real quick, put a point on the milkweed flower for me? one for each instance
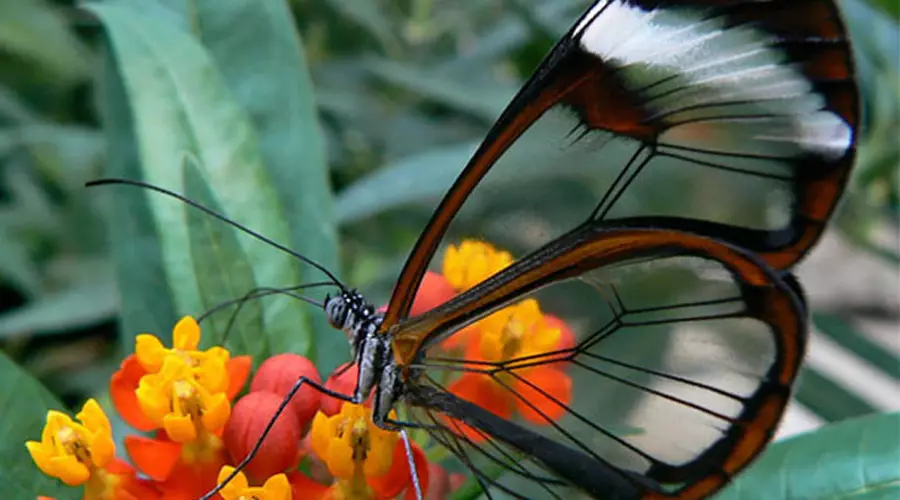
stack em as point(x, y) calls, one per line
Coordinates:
point(151, 353)
point(149, 358)
point(366, 461)
point(276, 487)
point(536, 387)
point(184, 394)
point(183, 403)
point(471, 262)
point(84, 454)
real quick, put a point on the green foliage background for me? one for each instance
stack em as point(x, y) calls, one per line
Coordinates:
point(337, 146)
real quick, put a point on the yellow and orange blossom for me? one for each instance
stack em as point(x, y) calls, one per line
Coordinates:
point(183, 402)
point(472, 262)
point(151, 353)
point(71, 451)
point(276, 487)
point(354, 449)
point(350, 443)
point(517, 331)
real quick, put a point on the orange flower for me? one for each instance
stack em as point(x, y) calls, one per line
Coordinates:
point(367, 462)
point(185, 341)
point(181, 403)
point(185, 394)
point(434, 291)
point(83, 454)
point(71, 451)
point(472, 262)
point(276, 487)
point(149, 359)
point(537, 386)
point(180, 470)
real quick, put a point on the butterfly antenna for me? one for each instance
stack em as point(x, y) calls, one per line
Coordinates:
point(213, 213)
point(413, 471)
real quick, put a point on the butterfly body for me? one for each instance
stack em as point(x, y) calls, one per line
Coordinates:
point(707, 143)
point(371, 352)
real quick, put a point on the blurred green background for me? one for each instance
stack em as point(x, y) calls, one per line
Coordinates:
point(404, 89)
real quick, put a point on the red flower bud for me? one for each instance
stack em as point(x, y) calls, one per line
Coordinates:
point(280, 450)
point(278, 375)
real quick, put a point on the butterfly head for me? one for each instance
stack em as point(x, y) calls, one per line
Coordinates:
point(351, 312)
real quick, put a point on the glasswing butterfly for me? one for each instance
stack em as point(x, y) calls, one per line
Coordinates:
point(689, 328)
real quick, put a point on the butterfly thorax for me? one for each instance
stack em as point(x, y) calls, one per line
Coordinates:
point(371, 352)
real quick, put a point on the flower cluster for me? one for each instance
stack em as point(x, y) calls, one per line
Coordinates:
point(185, 397)
point(530, 345)
point(319, 447)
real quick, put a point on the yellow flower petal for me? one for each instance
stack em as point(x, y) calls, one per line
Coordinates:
point(41, 456)
point(186, 335)
point(320, 435)
point(153, 401)
point(277, 487)
point(339, 459)
point(218, 353)
point(69, 470)
point(379, 459)
point(180, 428)
point(93, 417)
point(55, 421)
point(472, 262)
point(103, 449)
point(216, 410)
point(149, 352)
point(235, 487)
point(212, 374)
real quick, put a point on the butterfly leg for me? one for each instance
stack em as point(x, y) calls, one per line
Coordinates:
point(284, 403)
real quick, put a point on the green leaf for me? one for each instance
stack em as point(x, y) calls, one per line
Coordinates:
point(16, 265)
point(841, 331)
point(828, 399)
point(479, 99)
point(852, 459)
point(258, 50)
point(35, 32)
point(86, 303)
point(181, 107)
point(416, 179)
point(25, 403)
point(145, 302)
point(214, 246)
point(369, 15)
point(14, 107)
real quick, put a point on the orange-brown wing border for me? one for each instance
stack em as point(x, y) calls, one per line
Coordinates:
point(780, 304)
point(811, 31)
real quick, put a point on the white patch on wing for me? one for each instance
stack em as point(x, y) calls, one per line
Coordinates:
point(698, 75)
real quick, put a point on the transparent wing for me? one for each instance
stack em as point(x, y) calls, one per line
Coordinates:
point(732, 119)
point(678, 366)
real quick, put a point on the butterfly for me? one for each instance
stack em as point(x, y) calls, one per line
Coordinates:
point(697, 149)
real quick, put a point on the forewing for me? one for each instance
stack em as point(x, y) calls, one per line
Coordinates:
point(732, 119)
point(684, 355)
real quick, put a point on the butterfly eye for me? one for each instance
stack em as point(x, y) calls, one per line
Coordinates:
point(336, 310)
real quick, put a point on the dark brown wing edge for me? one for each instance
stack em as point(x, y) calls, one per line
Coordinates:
point(810, 31)
point(771, 296)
